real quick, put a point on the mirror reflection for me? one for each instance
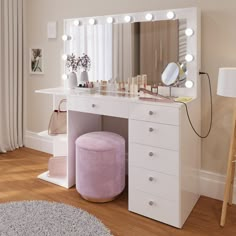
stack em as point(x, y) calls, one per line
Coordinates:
point(122, 51)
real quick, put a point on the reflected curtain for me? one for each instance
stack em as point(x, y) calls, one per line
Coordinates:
point(11, 74)
point(96, 42)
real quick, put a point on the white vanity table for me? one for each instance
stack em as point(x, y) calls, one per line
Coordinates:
point(163, 151)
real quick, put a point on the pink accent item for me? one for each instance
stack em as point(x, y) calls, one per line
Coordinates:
point(100, 165)
point(57, 166)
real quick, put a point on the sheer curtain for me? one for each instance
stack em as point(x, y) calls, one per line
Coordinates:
point(96, 42)
point(11, 74)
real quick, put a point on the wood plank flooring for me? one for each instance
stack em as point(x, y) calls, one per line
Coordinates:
point(18, 172)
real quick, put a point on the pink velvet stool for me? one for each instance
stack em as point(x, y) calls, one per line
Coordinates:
point(100, 166)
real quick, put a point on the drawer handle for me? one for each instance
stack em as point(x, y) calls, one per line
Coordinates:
point(150, 154)
point(151, 203)
point(151, 129)
point(150, 113)
point(93, 105)
point(150, 178)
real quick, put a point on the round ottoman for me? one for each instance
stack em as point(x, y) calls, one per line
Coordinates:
point(100, 166)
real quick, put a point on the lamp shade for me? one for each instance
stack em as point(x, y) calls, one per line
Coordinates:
point(227, 82)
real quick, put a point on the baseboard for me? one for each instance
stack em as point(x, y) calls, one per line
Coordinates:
point(212, 185)
point(40, 143)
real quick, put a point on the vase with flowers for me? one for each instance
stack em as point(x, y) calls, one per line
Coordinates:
point(84, 64)
point(72, 63)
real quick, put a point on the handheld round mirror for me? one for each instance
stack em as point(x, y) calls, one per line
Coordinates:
point(170, 74)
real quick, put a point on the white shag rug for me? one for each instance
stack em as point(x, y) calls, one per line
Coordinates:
point(42, 218)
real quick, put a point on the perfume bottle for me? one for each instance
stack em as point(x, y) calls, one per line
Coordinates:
point(154, 89)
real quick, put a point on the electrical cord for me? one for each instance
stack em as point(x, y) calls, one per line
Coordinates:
point(209, 130)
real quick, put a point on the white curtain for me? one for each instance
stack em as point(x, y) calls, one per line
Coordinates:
point(122, 56)
point(11, 74)
point(96, 42)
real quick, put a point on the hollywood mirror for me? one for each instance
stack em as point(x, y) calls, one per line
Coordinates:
point(127, 45)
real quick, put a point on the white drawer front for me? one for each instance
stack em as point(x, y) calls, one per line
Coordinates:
point(154, 207)
point(153, 134)
point(155, 183)
point(157, 159)
point(98, 106)
point(160, 114)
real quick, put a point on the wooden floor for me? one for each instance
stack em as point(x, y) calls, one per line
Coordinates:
point(18, 172)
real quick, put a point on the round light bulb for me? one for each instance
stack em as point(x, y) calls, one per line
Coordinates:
point(64, 57)
point(170, 15)
point(189, 32)
point(64, 77)
point(110, 20)
point(66, 37)
point(92, 21)
point(189, 57)
point(76, 22)
point(189, 84)
point(127, 19)
point(148, 16)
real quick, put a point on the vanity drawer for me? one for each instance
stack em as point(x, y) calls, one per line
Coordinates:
point(154, 134)
point(153, 207)
point(155, 183)
point(157, 159)
point(98, 106)
point(159, 114)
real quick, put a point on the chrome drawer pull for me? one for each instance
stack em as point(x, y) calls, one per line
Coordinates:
point(150, 154)
point(151, 129)
point(150, 178)
point(150, 113)
point(151, 203)
point(93, 105)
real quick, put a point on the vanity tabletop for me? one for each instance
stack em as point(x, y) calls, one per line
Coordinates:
point(113, 95)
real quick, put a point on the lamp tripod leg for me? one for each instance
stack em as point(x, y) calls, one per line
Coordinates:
point(228, 194)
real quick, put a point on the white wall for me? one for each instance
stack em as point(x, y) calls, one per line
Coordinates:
point(218, 49)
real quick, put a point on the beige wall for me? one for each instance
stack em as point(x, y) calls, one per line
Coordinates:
point(218, 49)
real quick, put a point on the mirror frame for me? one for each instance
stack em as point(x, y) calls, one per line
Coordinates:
point(192, 16)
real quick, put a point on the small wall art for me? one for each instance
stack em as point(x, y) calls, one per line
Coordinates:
point(36, 61)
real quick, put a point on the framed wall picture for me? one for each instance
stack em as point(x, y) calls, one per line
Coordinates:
point(36, 61)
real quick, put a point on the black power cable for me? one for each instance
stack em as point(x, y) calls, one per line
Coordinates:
point(209, 130)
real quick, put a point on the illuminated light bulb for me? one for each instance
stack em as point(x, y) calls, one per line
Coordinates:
point(127, 19)
point(110, 20)
point(170, 15)
point(64, 57)
point(76, 22)
point(189, 84)
point(189, 32)
point(66, 37)
point(92, 21)
point(189, 57)
point(149, 17)
point(64, 77)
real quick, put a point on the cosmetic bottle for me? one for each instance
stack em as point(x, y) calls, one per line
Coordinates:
point(155, 89)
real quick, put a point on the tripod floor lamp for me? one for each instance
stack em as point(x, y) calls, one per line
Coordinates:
point(227, 88)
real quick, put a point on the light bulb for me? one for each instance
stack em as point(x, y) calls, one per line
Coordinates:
point(148, 16)
point(189, 84)
point(64, 57)
point(189, 57)
point(127, 19)
point(92, 21)
point(170, 15)
point(110, 20)
point(189, 32)
point(76, 22)
point(64, 77)
point(66, 37)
